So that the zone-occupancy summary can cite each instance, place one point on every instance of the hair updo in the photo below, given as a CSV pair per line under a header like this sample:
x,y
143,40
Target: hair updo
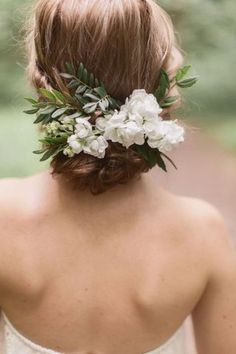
x,y
124,43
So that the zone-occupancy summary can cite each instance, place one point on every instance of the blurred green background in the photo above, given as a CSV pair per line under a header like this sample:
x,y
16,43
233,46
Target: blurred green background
x,y
206,30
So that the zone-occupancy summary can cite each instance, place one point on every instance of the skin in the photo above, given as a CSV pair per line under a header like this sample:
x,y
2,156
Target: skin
x,y
116,273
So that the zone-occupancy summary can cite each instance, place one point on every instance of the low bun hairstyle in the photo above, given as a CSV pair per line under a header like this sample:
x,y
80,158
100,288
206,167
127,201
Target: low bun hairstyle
x,y
124,43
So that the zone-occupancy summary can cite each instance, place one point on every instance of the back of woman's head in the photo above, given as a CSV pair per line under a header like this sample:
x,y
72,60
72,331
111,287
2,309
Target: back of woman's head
x,y
124,43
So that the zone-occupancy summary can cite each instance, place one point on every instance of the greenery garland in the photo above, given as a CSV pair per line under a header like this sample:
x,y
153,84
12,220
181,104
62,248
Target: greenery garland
x,y
90,99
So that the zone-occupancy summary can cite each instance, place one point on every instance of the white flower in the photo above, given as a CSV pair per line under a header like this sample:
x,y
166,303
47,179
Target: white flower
x,y
101,122
75,144
170,134
96,146
83,128
126,133
142,104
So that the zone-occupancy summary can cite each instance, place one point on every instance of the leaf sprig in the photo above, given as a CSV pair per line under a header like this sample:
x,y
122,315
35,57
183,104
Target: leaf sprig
x,y
165,85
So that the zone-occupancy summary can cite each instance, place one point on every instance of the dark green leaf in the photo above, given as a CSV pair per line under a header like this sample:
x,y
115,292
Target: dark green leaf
x,y
49,153
164,85
169,159
31,111
38,152
40,119
73,84
70,68
80,71
31,100
101,91
169,101
59,96
187,82
91,80
85,77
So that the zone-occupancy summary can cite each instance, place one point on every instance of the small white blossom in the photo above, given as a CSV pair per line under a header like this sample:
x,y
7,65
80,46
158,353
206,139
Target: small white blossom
x,y
75,144
53,128
170,134
68,151
83,128
96,146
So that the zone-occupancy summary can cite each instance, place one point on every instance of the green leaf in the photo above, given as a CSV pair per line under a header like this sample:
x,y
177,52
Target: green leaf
x,y
70,68
80,71
59,96
182,72
164,85
85,77
187,82
47,110
49,153
169,101
31,100
160,161
169,159
47,94
31,111
100,91
54,140
93,97
67,76
59,112
38,152
40,119
91,80
97,83
90,107
73,84
81,89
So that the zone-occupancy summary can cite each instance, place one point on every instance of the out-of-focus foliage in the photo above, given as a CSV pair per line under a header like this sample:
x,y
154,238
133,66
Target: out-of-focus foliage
x,y
207,32
207,29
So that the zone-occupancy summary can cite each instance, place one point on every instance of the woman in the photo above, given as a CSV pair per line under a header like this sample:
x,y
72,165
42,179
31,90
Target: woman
x,y
117,270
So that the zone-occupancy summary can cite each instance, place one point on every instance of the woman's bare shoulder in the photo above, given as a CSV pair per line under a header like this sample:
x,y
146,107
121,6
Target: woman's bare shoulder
x,y
205,227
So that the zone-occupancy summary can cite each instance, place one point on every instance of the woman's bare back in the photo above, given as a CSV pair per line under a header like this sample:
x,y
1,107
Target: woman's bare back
x,y
100,274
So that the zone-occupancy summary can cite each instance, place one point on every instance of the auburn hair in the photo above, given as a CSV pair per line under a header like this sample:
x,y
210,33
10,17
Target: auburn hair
x,y
124,43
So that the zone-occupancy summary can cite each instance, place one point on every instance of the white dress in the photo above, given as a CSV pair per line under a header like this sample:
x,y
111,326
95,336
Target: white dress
x,y
12,342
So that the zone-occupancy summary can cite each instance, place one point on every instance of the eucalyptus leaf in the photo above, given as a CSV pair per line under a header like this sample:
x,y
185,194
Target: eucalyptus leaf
x,y
73,84
47,110
169,101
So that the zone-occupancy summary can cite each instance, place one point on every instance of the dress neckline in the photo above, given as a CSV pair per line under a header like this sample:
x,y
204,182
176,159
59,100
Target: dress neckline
x,y
44,350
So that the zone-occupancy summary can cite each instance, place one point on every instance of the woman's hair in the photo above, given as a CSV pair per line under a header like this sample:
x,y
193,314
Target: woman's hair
x,y
124,43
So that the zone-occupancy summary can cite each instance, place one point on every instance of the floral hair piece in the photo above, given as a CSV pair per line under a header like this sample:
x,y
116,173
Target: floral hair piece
x,y
88,119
